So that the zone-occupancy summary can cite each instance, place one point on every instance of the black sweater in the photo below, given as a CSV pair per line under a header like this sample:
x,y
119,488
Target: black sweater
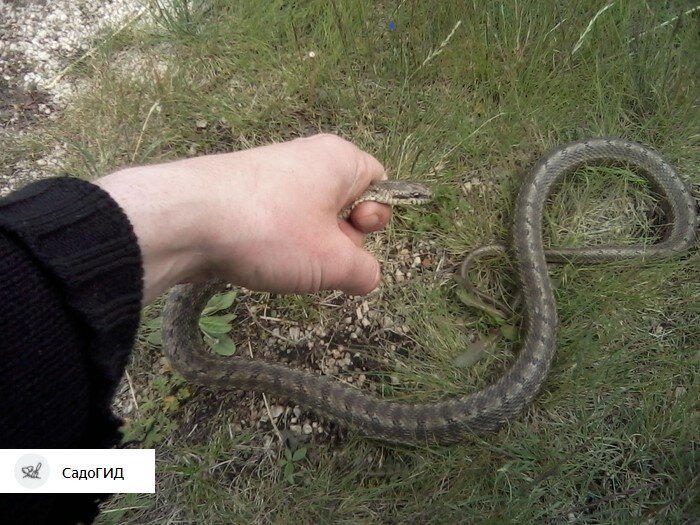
x,y
70,297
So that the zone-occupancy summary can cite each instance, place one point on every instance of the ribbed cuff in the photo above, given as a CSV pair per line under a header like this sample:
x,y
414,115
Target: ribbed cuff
x,y
79,235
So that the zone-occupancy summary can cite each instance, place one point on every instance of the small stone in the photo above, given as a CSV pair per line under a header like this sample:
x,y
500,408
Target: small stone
x,y
297,411
276,411
307,429
295,428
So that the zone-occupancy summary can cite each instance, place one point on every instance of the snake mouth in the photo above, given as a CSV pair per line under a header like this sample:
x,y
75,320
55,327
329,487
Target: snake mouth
x,y
417,200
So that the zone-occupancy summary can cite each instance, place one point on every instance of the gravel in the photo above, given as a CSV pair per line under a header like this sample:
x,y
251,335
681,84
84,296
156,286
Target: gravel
x,y
39,40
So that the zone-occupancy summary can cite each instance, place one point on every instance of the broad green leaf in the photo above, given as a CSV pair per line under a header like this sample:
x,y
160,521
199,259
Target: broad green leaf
x,y
216,324
299,454
509,331
476,350
224,346
219,302
155,339
155,324
289,472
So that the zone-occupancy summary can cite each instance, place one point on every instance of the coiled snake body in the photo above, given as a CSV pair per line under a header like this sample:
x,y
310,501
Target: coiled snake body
x,y
483,411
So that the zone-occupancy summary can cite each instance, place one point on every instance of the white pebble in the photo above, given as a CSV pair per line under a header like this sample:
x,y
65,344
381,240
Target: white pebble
x,y
276,411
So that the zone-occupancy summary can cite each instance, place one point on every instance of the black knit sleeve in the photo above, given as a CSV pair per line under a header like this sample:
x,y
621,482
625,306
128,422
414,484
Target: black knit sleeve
x,y
70,297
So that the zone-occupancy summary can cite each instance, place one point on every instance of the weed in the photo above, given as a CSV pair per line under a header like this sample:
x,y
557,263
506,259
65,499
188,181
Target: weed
x,y
290,463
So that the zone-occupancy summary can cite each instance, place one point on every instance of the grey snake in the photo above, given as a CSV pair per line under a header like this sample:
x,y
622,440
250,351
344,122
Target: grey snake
x,y
488,409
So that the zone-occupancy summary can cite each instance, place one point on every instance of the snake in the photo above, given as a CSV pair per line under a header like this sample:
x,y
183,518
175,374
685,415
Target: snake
x,y
487,410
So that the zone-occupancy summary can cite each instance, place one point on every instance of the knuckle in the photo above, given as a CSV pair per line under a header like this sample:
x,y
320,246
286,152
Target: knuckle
x,y
330,140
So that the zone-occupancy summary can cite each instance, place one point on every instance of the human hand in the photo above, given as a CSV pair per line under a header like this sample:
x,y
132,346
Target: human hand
x,y
265,218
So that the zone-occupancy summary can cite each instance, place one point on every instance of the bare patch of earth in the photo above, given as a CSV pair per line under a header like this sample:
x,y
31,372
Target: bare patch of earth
x,y
353,339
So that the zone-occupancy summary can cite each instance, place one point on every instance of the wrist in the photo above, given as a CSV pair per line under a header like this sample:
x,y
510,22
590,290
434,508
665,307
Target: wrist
x,y
168,215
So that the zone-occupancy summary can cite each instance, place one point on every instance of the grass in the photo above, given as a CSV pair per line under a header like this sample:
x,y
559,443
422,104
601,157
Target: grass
x,y
465,96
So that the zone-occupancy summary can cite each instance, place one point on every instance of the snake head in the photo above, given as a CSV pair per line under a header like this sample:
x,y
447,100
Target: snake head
x,y
391,192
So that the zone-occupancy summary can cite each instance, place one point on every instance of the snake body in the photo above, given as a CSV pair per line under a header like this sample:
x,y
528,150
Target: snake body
x,y
451,420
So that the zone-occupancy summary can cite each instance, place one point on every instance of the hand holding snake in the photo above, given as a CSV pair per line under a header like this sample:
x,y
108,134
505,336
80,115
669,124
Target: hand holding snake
x,y
488,409
264,218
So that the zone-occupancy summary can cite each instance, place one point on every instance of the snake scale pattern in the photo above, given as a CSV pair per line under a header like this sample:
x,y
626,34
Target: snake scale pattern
x,y
451,420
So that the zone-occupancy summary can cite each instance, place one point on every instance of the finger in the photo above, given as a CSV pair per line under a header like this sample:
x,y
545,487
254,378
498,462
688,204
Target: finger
x,y
354,270
369,168
355,235
370,216
366,167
